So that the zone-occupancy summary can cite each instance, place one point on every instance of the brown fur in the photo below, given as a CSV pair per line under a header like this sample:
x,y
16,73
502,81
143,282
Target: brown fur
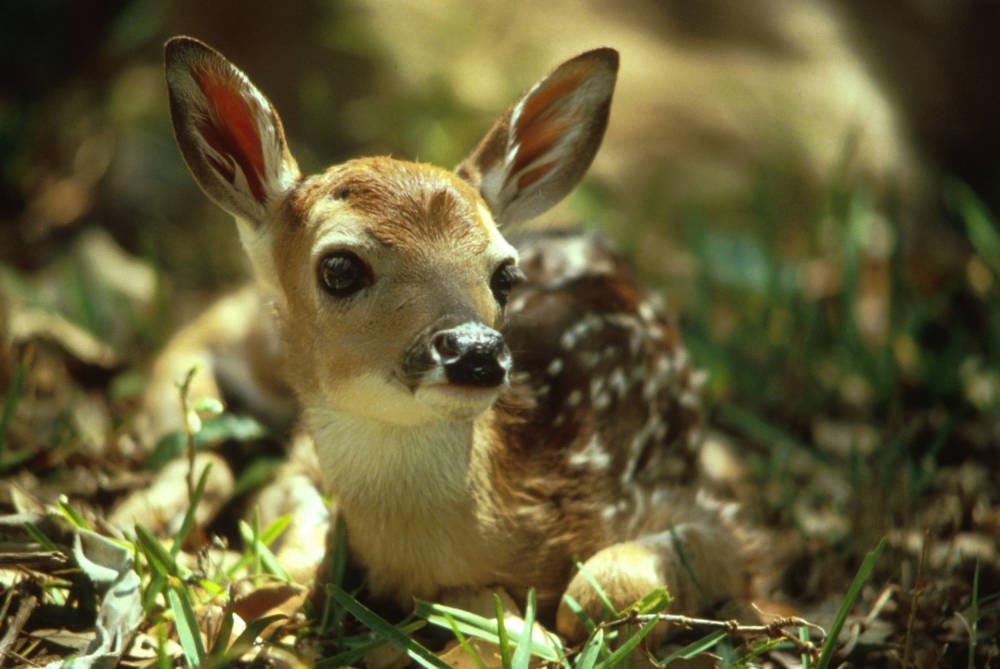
x,y
448,489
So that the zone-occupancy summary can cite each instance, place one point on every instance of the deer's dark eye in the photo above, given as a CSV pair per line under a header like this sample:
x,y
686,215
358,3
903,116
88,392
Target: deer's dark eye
x,y
504,279
342,273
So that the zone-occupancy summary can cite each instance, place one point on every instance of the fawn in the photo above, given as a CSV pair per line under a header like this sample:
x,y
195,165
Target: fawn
x,y
484,413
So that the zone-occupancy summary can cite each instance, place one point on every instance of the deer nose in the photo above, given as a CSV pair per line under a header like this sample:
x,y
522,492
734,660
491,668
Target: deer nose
x,y
472,355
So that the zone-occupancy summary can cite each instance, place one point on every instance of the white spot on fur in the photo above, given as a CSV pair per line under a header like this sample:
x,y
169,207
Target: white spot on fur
x,y
689,399
555,367
592,456
596,386
664,366
575,398
602,401
619,382
651,389
646,312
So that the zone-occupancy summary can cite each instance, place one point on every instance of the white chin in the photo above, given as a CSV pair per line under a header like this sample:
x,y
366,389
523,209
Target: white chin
x,y
456,402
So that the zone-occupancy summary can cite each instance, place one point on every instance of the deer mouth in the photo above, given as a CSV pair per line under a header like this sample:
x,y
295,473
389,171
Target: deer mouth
x,y
457,402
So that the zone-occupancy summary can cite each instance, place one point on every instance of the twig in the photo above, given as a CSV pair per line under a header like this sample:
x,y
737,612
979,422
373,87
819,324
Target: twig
x,y
49,560
23,658
774,629
28,605
918,589
183,388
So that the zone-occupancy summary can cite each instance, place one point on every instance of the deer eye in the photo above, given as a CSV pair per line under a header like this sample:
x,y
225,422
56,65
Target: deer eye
x,y
504,279
342,273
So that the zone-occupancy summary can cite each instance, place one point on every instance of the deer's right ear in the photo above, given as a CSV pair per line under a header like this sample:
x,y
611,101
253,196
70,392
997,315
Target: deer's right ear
x,y
229,133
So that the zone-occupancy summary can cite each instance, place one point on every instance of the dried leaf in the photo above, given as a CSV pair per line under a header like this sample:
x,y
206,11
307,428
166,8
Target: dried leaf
x,y
109,566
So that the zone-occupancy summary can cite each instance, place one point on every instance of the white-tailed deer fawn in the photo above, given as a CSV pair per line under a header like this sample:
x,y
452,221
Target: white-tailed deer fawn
x,y
485,413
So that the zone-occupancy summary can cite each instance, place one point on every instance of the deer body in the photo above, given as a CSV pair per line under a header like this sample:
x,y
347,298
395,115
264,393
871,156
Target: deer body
x,y
485,413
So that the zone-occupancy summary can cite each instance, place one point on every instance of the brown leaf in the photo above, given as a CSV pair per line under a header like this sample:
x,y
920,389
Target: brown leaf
x,y
271,599
161,506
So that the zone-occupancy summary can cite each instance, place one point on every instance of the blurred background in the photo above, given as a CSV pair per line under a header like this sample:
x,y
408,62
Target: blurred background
x,y
811,185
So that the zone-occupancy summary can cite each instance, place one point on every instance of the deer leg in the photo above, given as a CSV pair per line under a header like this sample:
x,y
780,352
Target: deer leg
x,y
699,564
234,346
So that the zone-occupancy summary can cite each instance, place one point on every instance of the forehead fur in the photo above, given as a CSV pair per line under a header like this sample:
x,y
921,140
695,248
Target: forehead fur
x,y
404,203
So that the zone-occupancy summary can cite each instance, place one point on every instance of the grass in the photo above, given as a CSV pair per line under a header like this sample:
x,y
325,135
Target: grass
x,y
864,571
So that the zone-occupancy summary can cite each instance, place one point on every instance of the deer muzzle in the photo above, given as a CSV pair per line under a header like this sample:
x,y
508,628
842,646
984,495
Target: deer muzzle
x,y
469,354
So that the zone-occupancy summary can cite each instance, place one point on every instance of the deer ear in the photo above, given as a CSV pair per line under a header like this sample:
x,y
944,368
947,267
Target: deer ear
x,y
540,148
229,133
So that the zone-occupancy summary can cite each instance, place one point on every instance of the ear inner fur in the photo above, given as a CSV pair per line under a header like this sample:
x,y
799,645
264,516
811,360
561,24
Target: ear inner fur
x,y
230,129
541,147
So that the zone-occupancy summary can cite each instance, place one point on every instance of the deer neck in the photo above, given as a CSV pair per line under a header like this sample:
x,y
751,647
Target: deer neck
x,y
421,511
386,471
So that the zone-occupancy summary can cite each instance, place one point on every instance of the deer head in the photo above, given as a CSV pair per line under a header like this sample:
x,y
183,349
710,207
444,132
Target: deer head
x,y
389,277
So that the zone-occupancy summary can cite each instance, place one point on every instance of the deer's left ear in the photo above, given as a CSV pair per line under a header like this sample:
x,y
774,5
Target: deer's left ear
x,y
229,133
540,148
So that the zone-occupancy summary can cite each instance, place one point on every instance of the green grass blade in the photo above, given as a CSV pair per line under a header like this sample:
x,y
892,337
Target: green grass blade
x,y
974,616
187,627
268,562
189,514
74,518
218,648
522,655
275,529
163,659
688,567
694,648
388,632
804,636
826,654
757,648
157,582
504,641
248,637
623,651
359,650
588,656
332,616
40,538
577,610
159,558
980,226
463,642
479,627
609,608
655,602
227,427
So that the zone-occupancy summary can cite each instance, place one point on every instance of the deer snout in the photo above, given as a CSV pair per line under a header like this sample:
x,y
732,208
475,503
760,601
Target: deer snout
x,y
472,354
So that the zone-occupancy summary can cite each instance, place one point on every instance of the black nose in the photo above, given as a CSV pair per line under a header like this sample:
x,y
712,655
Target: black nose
x,y
472,355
